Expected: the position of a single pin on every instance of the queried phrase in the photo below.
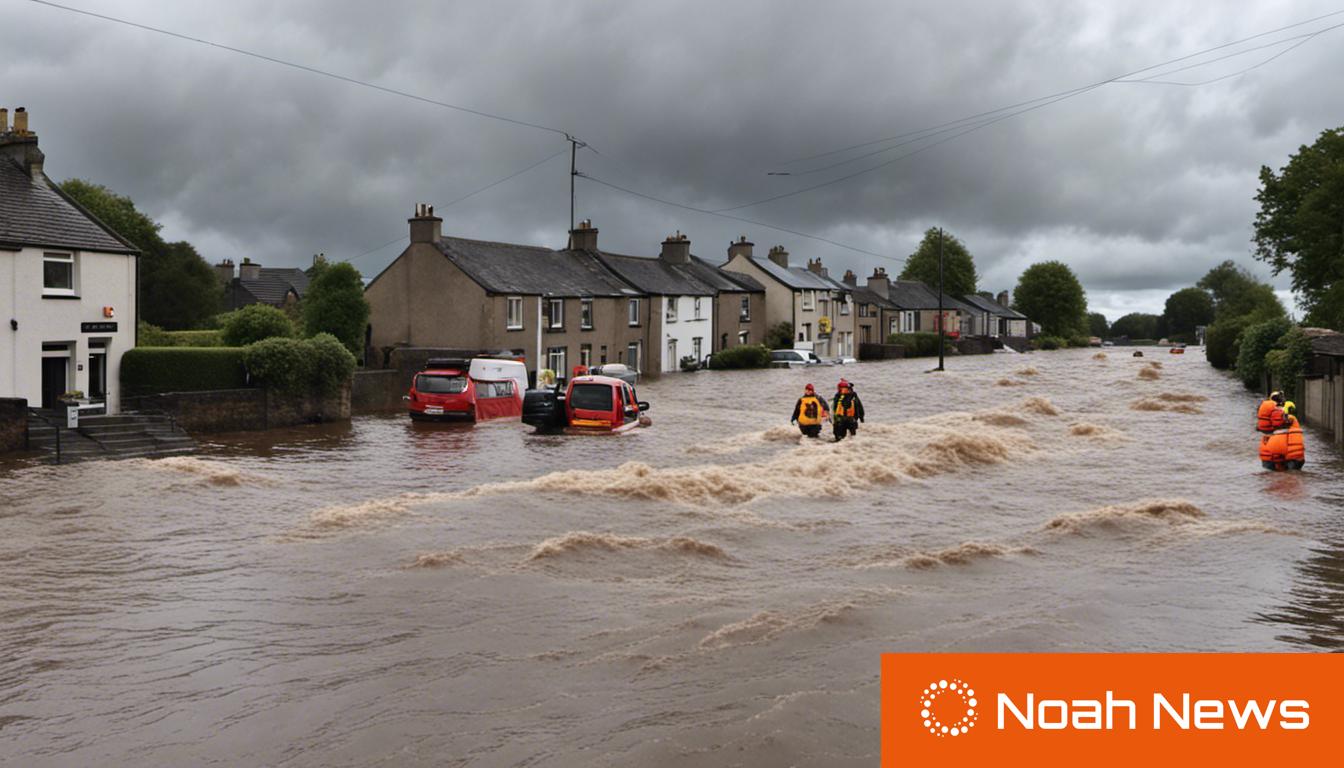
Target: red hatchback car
(451, 392)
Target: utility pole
(574, 145)
(942, 322)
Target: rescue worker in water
(809, 412)
(1285, 448)
(846, 410)
(1269, 417)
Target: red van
(590, 405)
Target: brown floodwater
(709, 591)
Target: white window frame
(743, 337)
(844, 307)
(908, 321)
(671, 314)
(673, 361)
(586, 355)
(637, 347)
(807, 332)
(809, 300)
(59, 258)
(556, 319)
(513, 313)
(744, 310)
(560, 353)
(697, 348)
(632, 312)
(696, 305)
(586, 314)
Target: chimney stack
(780, 256)
(1002, 298)
(4, 120)
(249, 270)
(20, 144)
(584, 237)
(21, 121)
(224, 271)
(425, 226)
(741, 246)
(676, 249)
(879, 283)
(850, 278)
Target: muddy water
(710, 591)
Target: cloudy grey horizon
(1139, 187)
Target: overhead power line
(1301, 40)
(305, 68)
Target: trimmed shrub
(254, 323)
(919, 343)
(744, 356)
(196, 339)
(1079, 341)
(1256, 341)
(153, 370)
(320, 365)
(779, 336)
(1048, 342)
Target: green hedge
(254, 323)
(1256, 341)
(1049, 342)
(320, 365)
(152, 370)
(919, 343)
(744, 356)
(154, 336)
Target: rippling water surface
(709, 591)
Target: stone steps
(127, 435)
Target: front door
(54, 373)
(97, 376)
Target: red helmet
(842, 385)
(809, 388)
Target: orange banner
(1111, 709)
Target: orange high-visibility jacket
(1269, 417)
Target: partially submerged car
(588, 405)
(477, 389)
(794, 358)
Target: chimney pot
(425, 226)
(249, 269)
(676, 249)
(740, 247)
(780, 256)
(4, 120)
(21, 121)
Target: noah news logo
(948, 708)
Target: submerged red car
(473, 390)
(589, 405)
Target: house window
(806, 335)
(844, 307)
(744, 311)
(586, 355)
(696, 346)
(809, 300)
(514, 319)
(895, 325)
(58, 274)
(632, 354)
(602, 360)
(743, 337)
(824, 307)
(632, 312)
(671, 309)
(866, 333)
(910, 321)
(586, 315)
(671, 354)
(555, 308)
(697, 308)
(555, 360)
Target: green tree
(1222, 340)
(959, 276)
(335, 304)
(1097, 325)
(1237, 293)
(1300, 225)
(178, 289)
(1136, 325)
(779, 336)
(1186, 309)
(1049, 293)
(254, 323)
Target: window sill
(555, 329)
(62, 296)
(515, 328)
(585, 327)
(633, 325)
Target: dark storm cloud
(1140, 187)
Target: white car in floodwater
(795, 358)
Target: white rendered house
(67, 285)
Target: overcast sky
(1140, 187)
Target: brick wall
(13, 424)
(238, 410)
(377, 391)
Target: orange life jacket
(844, 405)
(1269, 417)
(1274, 447)
(810, 408)
(1295, 447)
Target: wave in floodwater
(1166, 511)
(1099, 356)
(1149, 374)
(965, 554)
(1156, 404)
(1010, 383)
(582, 543)
(1097, 431)
(209, 472)
(765, 626)
(1028, 371)
(1041, 406)
(739, 443)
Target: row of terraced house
(581, 305)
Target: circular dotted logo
(954, 716)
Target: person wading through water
(1269, 416)
(846, 410)
(1285, 447)
(809, 412)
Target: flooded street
(709, 591)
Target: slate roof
(910, 294)
(1331, 344)
(864, 295)
(655, 276)
(721, 279)
(271, 286)
(532, 270)
(796, 278)
(33, 212)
